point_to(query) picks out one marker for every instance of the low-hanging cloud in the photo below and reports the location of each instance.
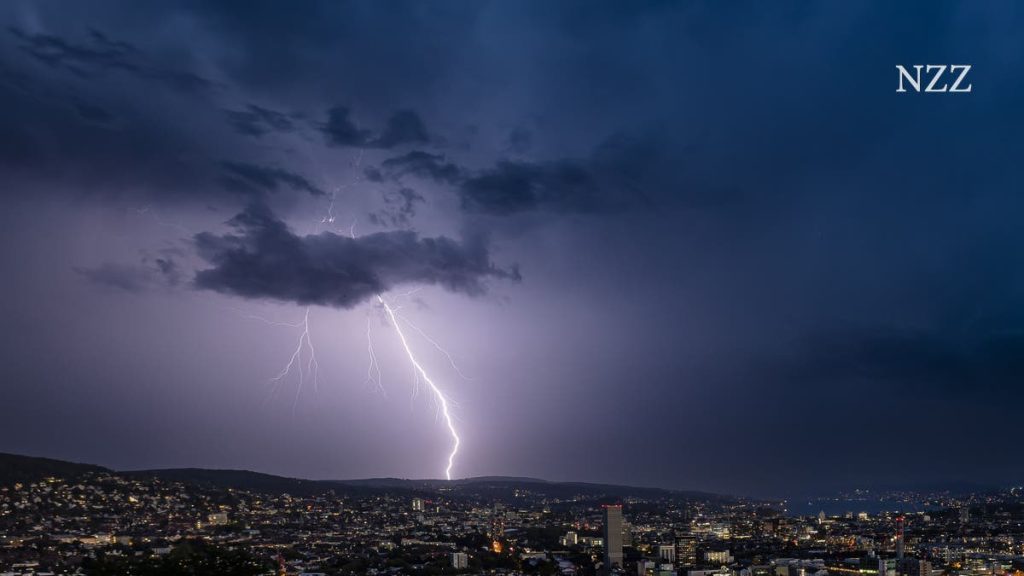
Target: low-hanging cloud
(263, 259)
(255, 180)
(399, 207)
(257, 121)
(100, 54)
(423, 165)
(403, 127)
(614, 177)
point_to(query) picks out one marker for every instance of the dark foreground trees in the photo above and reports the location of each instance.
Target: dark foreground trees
(193, 558)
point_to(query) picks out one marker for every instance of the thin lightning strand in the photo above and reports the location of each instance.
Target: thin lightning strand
(312, 367)
(438, 394)
(373, 369)
(373, 375)
(436, 345)
(328, 221)
(419, 374)
(329, 217)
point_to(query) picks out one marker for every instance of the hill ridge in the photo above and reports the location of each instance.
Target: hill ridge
(21, 468)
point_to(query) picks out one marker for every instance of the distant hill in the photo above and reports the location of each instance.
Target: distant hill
(271, 484)
(501, 488)
(952, 487)
(26, 469)
(238, 479)
(504, 488)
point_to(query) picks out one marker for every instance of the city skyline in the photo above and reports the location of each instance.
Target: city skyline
(62, 518)
(681, 245)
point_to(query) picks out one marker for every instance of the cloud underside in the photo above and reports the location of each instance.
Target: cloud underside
(403, 127)
(255, 180)
(263, 259)
(100, 54)
(615, 177)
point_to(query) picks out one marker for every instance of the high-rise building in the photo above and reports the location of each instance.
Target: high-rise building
(686, 551)
(417, 505)
(612, 536)
(667, 552)
(874, 566)
(460, 560)
(915, 567)
(899, 539)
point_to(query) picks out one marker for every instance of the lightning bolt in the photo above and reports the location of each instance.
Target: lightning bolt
(422, 374)
(433, 343)
(373, 372)
(373, 369)
(312, 367)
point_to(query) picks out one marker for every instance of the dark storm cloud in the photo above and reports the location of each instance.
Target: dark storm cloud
(340, 130)
(89, 137)
(622, 172)
(258, 121)
(99, 54)
(168, 269)
(264, 259)
(611, 179)
(95, 134)
(93, 149)
(423, 165)
(402, 127)
(399, 208)
(252, 179)
(327, 49)
(512, 187)
(519, 141)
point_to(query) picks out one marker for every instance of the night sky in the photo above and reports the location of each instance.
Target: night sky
(679, 244)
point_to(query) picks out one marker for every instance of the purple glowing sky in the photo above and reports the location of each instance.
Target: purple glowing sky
(680, 245)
